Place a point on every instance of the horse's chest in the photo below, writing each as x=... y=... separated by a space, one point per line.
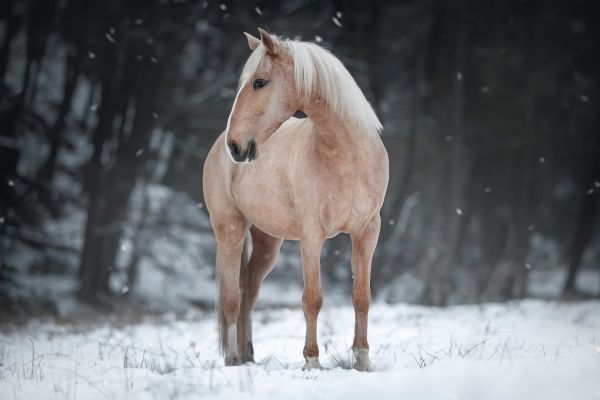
x=266 y=200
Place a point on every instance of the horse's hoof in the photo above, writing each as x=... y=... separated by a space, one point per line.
x=247 y=354
x=362 y=360
x=312 y=363
x=231 y=361
x=363 y=366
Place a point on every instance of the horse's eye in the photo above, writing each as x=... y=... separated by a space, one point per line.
x=259 y=84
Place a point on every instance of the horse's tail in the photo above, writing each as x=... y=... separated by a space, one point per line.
x=222 y=324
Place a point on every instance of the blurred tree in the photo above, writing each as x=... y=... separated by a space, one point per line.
x=490 y=116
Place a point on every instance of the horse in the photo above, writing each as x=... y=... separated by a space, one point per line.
x=272 y=177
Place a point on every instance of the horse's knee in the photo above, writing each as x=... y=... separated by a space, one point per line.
x=230 y=231
x=231 y=305
x=312 y=300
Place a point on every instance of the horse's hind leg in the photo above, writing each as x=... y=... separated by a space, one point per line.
x=230 y=232
x=363 y=247
x=265 y=249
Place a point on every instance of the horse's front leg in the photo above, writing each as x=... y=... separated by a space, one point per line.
x=312 y=298
x=230 y=233
x=363 y=247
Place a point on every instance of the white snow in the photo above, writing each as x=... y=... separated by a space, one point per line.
x=520 y=350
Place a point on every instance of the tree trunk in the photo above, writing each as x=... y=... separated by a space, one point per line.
x=72 y=68
x=586 y=218
x=111 y=190
x=454 y=166
x=509 y=277
x=9 y=34
x=93 y=275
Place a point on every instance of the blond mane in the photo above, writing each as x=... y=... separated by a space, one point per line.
x=317 y=70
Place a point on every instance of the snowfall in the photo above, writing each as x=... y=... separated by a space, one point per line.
x=530 y=349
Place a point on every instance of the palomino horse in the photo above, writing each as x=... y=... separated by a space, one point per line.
x=277 y=177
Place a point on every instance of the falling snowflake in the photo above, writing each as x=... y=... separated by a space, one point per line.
x=338 y=14
x=527 y=265
x=91 y=55
x=109 y=37
x=485 y=89
x=223 y=7
x=138 y=57
x=94 y=107
x=487 y=189
x=584 y=98
x=138 y=21
x=125 y=289
x=200 y=205
x=336 y=21
x=597 y=184
x=391 y=222
x=318 y=39
x=459 y=211
x=258 y=11
x=154 y=115
x=154 y=60
x=139 y=152
x=531 y=227
x=448 y=138
x=11 y=183
x=542 y=160
x=150 y=40
x=1 y=220
x=459 y=76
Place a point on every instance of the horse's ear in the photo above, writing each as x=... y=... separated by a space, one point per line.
x=269 y=41
x=253 y=42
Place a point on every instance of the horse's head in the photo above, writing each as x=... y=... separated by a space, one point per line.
x=265 y=99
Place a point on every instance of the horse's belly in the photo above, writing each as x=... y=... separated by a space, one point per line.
x=278 y=230
x=273 y=221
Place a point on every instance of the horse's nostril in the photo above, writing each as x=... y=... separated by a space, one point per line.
x=234 y=148
x=251 y=150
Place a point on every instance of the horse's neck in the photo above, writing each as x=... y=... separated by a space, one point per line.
x=334 y=134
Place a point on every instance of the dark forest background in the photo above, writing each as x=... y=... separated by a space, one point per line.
x=108 y=108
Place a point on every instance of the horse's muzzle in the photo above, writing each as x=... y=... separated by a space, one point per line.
x=240 y=155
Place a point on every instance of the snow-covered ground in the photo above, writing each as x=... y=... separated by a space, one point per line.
x=521 y=350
